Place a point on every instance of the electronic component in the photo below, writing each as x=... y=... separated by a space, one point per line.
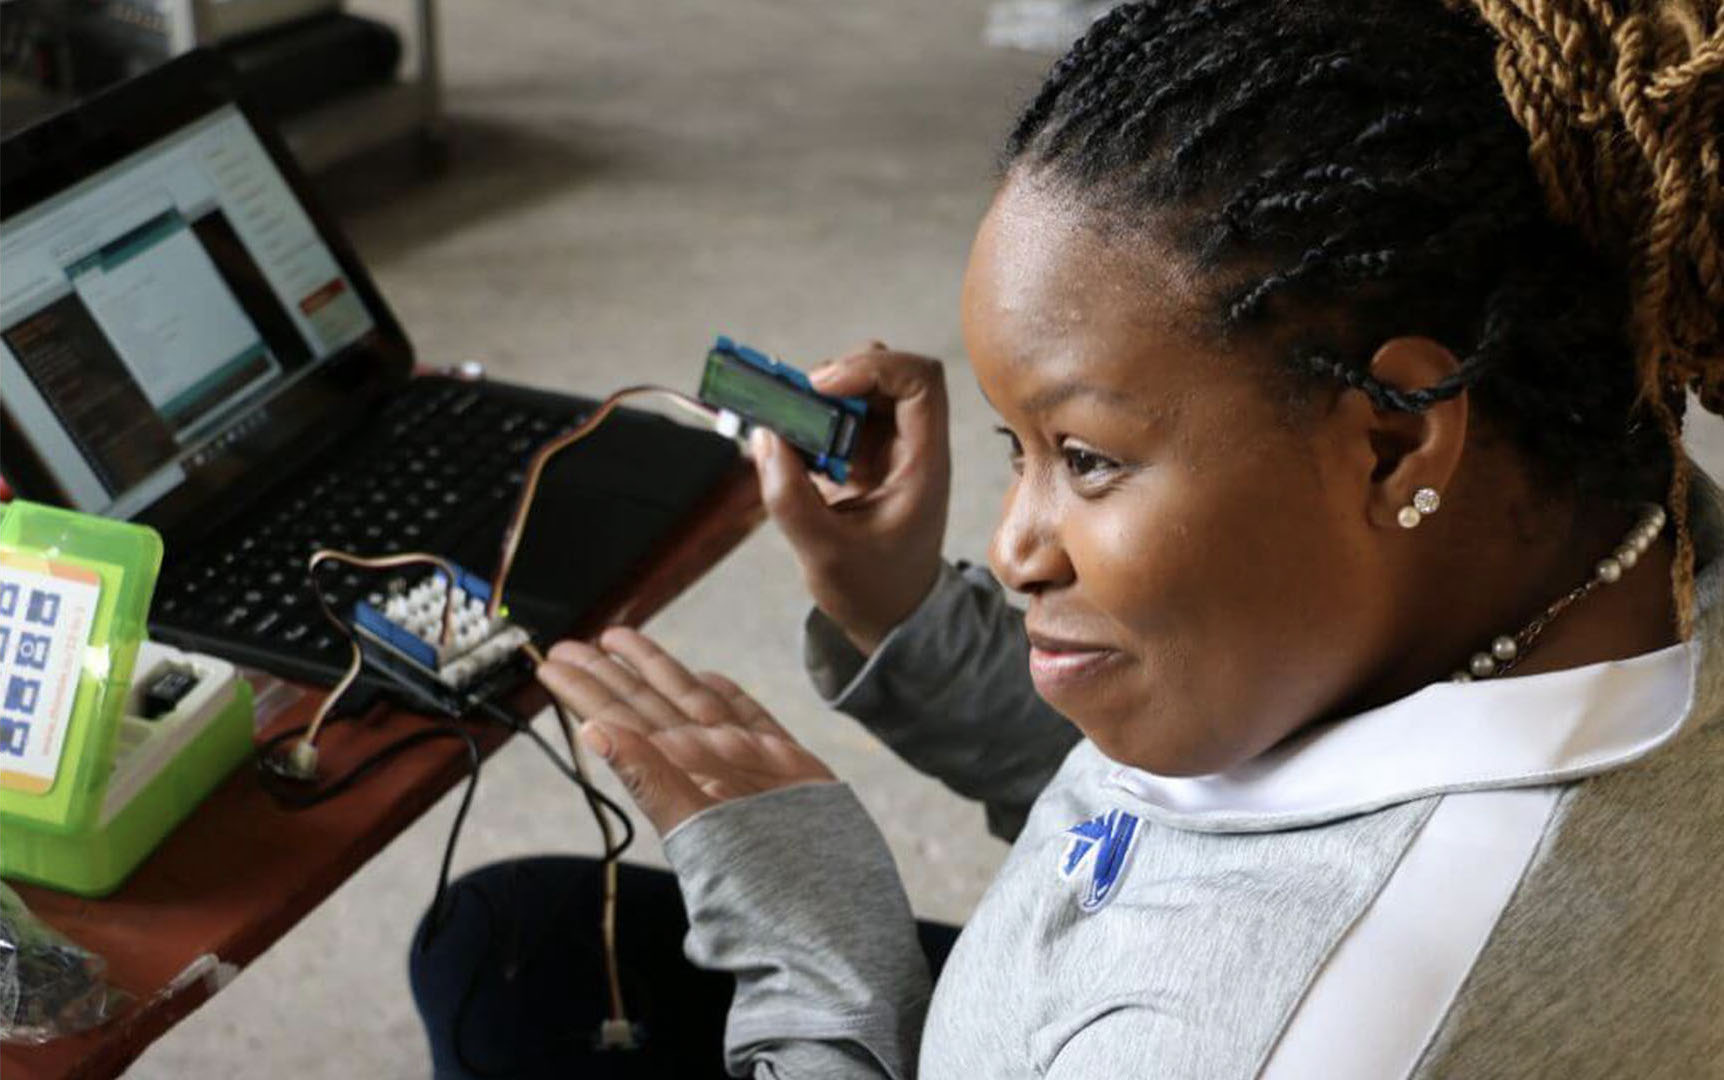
x=164 y=690
x=767 y=393
x=619 y=1034
x=401 y=629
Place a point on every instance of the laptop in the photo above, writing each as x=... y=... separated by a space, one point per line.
x=188 y=341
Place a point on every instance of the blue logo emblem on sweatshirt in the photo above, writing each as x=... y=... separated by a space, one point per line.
x=1102 y=844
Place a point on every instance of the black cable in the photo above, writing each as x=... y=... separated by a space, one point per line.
x=272 y=772
x=278 y=780
x=597 y=800
x=273 y=775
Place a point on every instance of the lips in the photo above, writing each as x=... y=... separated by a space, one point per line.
x=1058 y=663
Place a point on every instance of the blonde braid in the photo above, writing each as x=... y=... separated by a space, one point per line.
x=1623 y=101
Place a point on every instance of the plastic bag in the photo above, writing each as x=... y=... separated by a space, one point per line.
x=48 y=985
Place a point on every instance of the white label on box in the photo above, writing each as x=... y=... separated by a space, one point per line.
x=47 y=610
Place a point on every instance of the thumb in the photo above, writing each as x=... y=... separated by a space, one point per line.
x=788 y=492
x=663 y=792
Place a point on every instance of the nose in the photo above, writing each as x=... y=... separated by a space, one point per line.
x=1026 y=553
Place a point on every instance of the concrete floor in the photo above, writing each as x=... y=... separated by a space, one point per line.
x=631 y=179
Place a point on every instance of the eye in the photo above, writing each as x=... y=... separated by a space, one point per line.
x=1015 y=451
x=1085 y=464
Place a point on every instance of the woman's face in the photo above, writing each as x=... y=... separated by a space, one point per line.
x=1200 y=573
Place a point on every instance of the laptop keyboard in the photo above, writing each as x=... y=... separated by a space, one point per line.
x=444 y=458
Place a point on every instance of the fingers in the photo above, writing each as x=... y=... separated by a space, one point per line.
x=665 y=793
x=878 y=370
x=587 y=697
x=632 y=681
x=871 y=345
x=745 y=709
x=619 y=690
x=789 y=493
x=916 y=386
x=665 y=674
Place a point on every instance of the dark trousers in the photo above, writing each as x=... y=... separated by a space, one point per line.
x=510 y=982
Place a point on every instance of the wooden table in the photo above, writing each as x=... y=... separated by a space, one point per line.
x=242 y=870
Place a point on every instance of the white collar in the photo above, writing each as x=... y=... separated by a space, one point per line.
x=1495 y=733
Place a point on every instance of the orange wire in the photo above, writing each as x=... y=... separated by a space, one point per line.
x=530 y=486
x=364 y=562
x=608 y=892
x=505 y=562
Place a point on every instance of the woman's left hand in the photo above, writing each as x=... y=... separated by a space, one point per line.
x=679 y=742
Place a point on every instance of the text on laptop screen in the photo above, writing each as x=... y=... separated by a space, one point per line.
x=146 y=309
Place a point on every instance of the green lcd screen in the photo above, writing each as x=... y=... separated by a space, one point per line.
x=729 y=383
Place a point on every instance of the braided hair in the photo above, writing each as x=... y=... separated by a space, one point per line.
x=1534 y=183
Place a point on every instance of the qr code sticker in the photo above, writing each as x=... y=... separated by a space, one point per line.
x=32 y=651
x=44 y=609
x=14 y=735
x=22 y=694
x=47 y=612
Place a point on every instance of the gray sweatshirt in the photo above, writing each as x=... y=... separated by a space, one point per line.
x=1519 y=878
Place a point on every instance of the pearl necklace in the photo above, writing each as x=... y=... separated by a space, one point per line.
x=1505 y=651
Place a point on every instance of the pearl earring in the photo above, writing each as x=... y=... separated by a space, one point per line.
x=1425 y=502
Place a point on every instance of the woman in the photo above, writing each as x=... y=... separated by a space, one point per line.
x=1367 y=713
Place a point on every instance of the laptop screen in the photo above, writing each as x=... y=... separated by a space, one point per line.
x=155 y=307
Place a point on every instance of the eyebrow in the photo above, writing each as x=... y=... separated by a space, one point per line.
x=1060 y=393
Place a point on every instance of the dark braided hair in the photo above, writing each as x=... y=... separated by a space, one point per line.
x=1346 y=173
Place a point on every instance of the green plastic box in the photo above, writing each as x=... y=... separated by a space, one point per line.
x=63 y=831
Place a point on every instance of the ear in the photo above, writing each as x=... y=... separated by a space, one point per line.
x=1408 y=451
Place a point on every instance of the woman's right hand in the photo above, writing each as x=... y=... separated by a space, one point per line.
x=870 y=549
